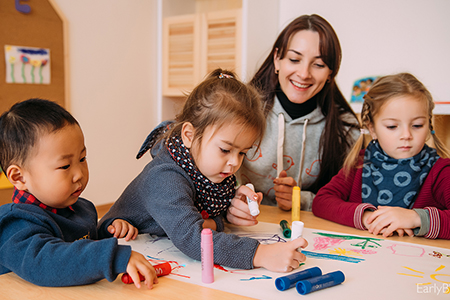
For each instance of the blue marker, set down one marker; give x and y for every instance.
(289, 281)
(318, 283)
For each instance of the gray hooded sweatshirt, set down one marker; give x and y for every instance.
(260, 168)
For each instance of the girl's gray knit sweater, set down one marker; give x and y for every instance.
(159, 201)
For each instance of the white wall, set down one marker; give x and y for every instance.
(112, 61)
(385, 36)
(114, 75)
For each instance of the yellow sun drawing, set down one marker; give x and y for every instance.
(345, 252)
(432, 276)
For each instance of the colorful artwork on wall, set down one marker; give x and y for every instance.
(27, 65)
(360, 88)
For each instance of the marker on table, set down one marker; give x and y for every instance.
(207, 249)
(286, 282)
(296, 204)
(252, 204)
(310, 285)
(285, 228)
(161, 270)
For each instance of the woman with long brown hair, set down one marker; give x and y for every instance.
(310, 125)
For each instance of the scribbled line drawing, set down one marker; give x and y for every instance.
(344, 252)
(332, 257)
(407, 250)
(264, 238)
(322, 243)
(366, 241)
(438, 254)
(242, 272)
(174, 264)
(257, 278)
(432, 276)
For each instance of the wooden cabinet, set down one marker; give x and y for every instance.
(196, 44)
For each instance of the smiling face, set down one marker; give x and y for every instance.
(56, 172)
(401, 126)
(221, 151)
(302, 72)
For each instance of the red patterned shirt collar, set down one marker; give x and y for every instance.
(26, 198)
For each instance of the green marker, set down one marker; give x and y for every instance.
(285, 227)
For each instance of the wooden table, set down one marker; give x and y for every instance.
(13, 287)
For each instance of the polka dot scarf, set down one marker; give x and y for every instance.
(211, 198)
(394, 182)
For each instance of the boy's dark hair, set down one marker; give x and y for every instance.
(21, 126)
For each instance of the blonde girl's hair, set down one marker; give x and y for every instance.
(384, 89)
(221, 99)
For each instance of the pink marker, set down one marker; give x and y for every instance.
(207, 256)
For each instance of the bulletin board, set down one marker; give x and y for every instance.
(35, 25)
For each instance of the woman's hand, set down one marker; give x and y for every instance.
(283, 186)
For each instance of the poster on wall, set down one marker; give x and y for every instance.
(27, 65)
(361, 87)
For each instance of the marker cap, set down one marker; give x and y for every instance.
(321, 282)
(297, 229)
(289, 281)
(285, 227)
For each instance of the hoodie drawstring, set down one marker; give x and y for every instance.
(280, 150)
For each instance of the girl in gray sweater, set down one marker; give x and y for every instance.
(190, 184)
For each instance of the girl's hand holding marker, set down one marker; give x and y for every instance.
(244, 206)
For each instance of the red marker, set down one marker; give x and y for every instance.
(161, 270)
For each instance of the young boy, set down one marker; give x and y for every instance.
(47, 234)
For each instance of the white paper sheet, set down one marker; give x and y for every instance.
(374, 268)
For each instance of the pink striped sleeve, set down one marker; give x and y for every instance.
(357, 217)
(435, 223)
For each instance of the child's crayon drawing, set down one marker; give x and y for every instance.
(438, 254)
(438, 277)
(407, 250)
(332, 257)
(321, 243)
(400, 270)
(365, 241)
(27, 65)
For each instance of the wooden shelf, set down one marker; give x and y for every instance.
(196, 44)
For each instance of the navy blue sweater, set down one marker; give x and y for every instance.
(51, 249)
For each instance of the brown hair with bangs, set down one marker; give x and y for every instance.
(221, 99)
(335, 141)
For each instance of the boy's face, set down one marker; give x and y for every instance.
(56, 172)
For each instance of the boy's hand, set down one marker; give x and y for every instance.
(238, 213)
(387, 219)
(138, 263)
(280, 257)
(121, 228)
(283, 186)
